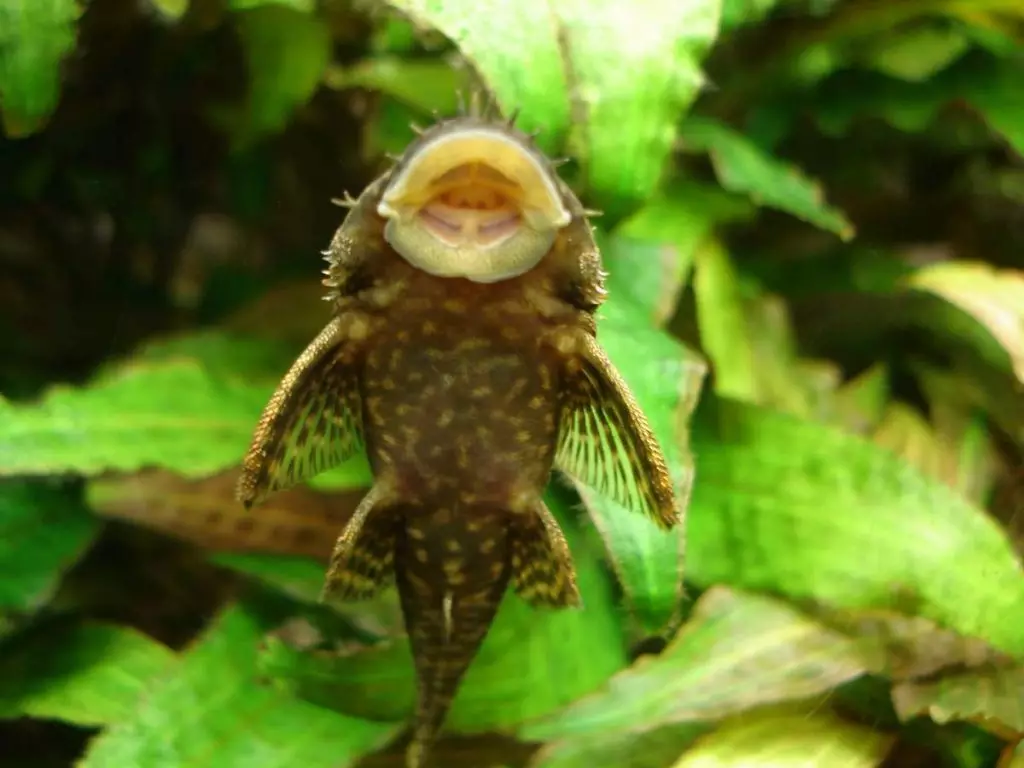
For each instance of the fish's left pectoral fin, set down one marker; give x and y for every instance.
(313, 421)
(605, 442)
(543, 573)
(362, 563)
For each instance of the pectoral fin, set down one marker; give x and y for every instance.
(312, 423)
(605, 441)
(542, 567)
(363, 558)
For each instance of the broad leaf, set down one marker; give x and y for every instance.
(744, 168)
(35, 36)
(586, 54)
(988, 84)
(496, 39)
(917, 53)
(724, 331)
(666, 379)
(531, 663)
(891, 538)
(43, 531)
(208, 710)
(626, 133)
(990, 698)
(858, 405)
(781, 739)
(206, 512)
(424, 85)
(993, 88)
(172, 10)
(306, 6)
(651, 254)
(90, 675)
(995, 298)
(736, 652)
(651, 749)
(186, 405)
(739, 13)
(286, 52)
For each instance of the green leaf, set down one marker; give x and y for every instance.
(35, 36)
(666, 378)
(858, 404)
(650, 255)
(918, 53)
(43, 531)
(587, 53)
(172, 10)
(723, 326)
(423, 84)
(300, 578)
(305, 6)
(651, 749)
(995, 92)
(780, 739)
(986, 83)
(89, 675)
(990, 698)
(286, 51)
(744, 168)
(497, 40)
(954, 448)
(627, 132)
(909, 107)
(209, 711)
(993, 297)
(531, 663)
(890, 536)
(736, 652)
(740, 13)
(190, 408)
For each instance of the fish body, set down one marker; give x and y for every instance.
(463, 359)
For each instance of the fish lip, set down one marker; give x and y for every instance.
(536, 192)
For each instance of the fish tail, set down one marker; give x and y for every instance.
(449, 602)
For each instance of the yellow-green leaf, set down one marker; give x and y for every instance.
(744, 168)
(736, 652)
(993, 297)
(781, 739)
(35, 36)
(209, 711)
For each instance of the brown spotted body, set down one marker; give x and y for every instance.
(463, 358)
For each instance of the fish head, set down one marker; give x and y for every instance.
(475, 199)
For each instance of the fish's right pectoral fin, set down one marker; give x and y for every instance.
(362, 563)
(313, 421)
(543, 573)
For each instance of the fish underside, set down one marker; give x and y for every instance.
(465, 391)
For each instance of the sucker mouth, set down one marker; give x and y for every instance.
(474, 202)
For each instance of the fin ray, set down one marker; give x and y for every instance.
(606, 443)
(542, 569)
(362, 563)
(313, 421)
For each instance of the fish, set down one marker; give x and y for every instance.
(462, 358)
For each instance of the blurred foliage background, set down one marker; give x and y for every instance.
(814, 228)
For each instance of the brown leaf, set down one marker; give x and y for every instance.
(990, 698)
(910, 647)
(205, 512)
